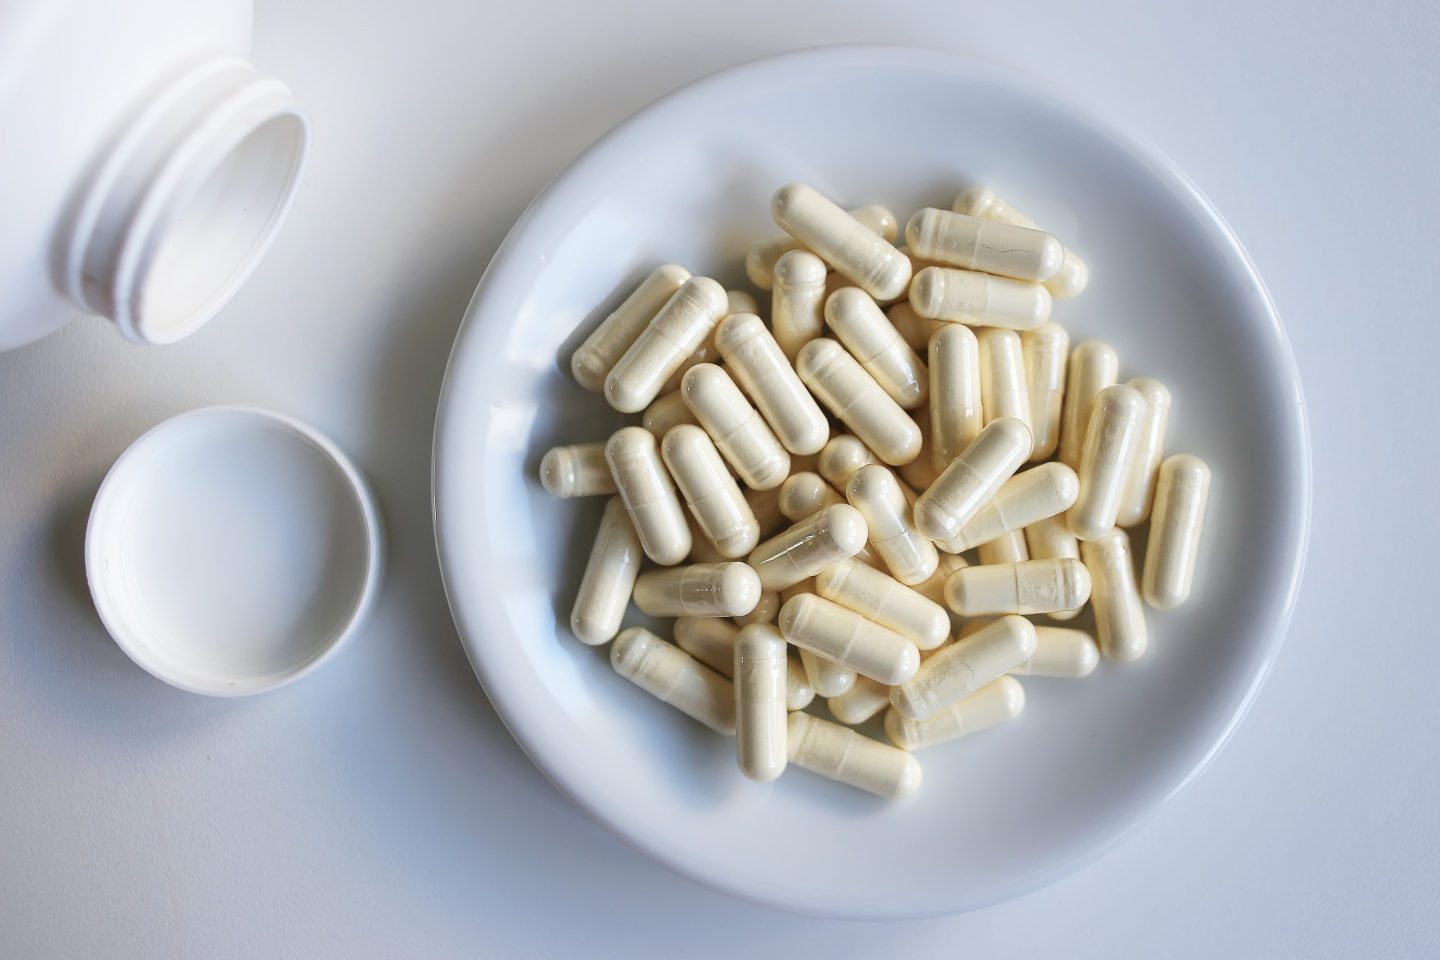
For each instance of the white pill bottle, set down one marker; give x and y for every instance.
(146, 164)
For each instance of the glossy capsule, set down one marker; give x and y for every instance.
(699, 590)
(971, 479)
(1093, 367)
(1175, 528)
(1119, 617)
(1029, 587)
(609, 578)
(1051, 539)
(798, 302)
(579, 470)
(1003, 391)
(761, 665)
(874, 491)
(861, 702)
(999, 701)
(711, 640)
(677, 330)
(880, 597)
(1061, 652)
(849, 246)
(990, 246)
(1046, 351)
(821, 626)
(954, 672)
(839, 382)
(1008, 547)
(867, 333)
(956, 414)
(1139, 491)
(744, 439)
(1026, 498)
(592, 360)
(714, 499)
(673, 676)
(757, 363)
(665, 412)
(840, 458)
(978, 299)
(826, 677)
(841, 754)
(767, 608)
(649, 495)
(913, 328)
(804, 493)
(809, 546)
(1111, 442)
(1073, 276)
(760, 261)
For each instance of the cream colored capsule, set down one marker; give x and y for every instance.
(1026, 498)
(826, 677)
(740, 301)
(1111, 442)
(1093, 367)
(913, 328)
(861, 702)
(1046, 350)
(1029, 587)
(1051, 539)
(682, 325)
(841, 754)
(978, 299)
(999, 701)
(1061, 652)
(956, 414)
(1073, 275)
(934, 589)
(1008, 547)
(919, 473)
(798, 302)
(710, 492)
(853, 396)
(954, 672)
(1145, 466)
(809, 546)
(880, 597)
(766, 610)
(702, 549)
(579, 470)
(1003, 391)
(830, 630)
(743, 438)
(803, 493)
(667, 411)
(849, 246)
(875, 492)
(867, 333)
(760, 261)
(711, 640)
(707, 352)
(673, 676)
(990, 246)
(609, 578)
(1175, 528)
(649, 495)
(592, 360)
(699, 590)
(1119, 617)
(761, 665)
(972, 478)
(840, 458)
(755, 360)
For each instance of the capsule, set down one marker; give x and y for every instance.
(913, 328)
(875, 492)
(1051, 539)
(682, 325)
(956, 414)
(743, 438)
(740, 301)
(665, 412)
(824, 627)
(765, 504)
(672, 676)
(804, 493)
(990, 246)
(707, 352)
(576, 471)
(972, 478)
(954, 672)
(867, 333)
(826, 677)
(934, 588)
(1073, 275)
(999, 701)
(1175, 527)
(849, 246)
(760, 261)
(1003, 391)
(767, 608)
(711, 640)
(1111, 442)
(853, 396)
(1139, 490)
(861, 702)
(762, 370)
(710, 492)
(809, 546)
(702, 549)
(609, 577)
(978, 299)
(1061, 652)
(1046, 350)
(840, 458)
(919, 473)
(649, 495)
(1008, 547)
(881, 598)
(1093, 367)
(841, 754)
(699, 590)
(1026, 498)
(798, 302)
(760, 692)
(1029, 587)
(1119, 617)
(592, 360)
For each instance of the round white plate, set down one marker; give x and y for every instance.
(688, 180)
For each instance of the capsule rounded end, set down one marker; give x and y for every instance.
(741, 541)
(1041, 304)
(758, 269)
(916, 228)
(900, 730)
(557, 472)
(1023, 631)
(907, 784)
(737, 330)
(936, 630)
(739, 589)
(845, 304)
(630, 649)
(1065, 481)
(589, 631)
(700, 382)
(1076, 583)
(588, 371)
(1087, 659)
(907, 702)
(1051, 259)
(798, 692)
(707, 294)
(893, 277)
(933, 521)
(1011, 697)
(1126, 649)
(800, 269)
(975, 202)
(927, 292)
(1185, 469)
(1071, 279)
(787, 198)
(906, 664)
(624, 395)
(628, 442)
(815, 356)
(847, 528)
(761, 767)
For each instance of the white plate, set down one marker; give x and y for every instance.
(688, 180)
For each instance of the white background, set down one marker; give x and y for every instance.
(379, 808)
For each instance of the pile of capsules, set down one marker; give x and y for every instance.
(940, 361)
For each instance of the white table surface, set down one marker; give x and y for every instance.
(380, 809)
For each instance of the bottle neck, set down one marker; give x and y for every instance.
(185, 202)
